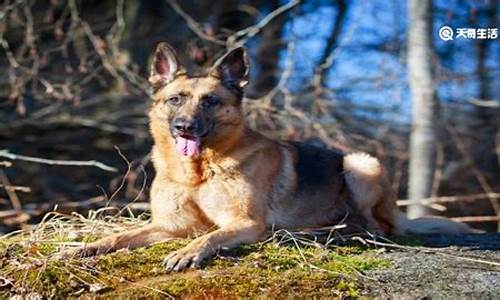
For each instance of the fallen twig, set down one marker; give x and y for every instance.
(88, 163)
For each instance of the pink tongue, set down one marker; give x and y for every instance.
(187, 146)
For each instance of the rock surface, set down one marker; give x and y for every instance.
(460, 266)
(423, 267)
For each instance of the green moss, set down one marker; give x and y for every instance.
(362, 262)
(258, 270)
(137, 264)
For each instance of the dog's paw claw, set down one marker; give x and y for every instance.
(180, 260)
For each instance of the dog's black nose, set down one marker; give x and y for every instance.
(184, 125)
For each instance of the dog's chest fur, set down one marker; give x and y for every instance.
(223, 192)
(286, 190)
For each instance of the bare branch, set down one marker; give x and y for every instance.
(5, 164)
(238, 38)
(15, 188)
(89, 163)
(192, 24)
(448, 199)
(472, 219)
(249, 32)
(483, 182)
(21, 217)
(485, 103)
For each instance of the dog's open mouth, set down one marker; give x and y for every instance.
(187, 145)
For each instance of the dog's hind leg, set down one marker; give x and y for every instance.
(371, 191)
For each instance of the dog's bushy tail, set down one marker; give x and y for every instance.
(371, 192)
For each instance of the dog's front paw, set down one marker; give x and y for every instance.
(183, 258)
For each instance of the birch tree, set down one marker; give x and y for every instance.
(424, 104)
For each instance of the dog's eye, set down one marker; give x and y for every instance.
(174, 100)
(210, 101)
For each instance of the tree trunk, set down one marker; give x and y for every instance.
(486, 120)
(424, 105)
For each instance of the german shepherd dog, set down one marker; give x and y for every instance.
(216, 176)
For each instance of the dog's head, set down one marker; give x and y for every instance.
(197, 111)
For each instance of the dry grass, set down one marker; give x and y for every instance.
(287, 265)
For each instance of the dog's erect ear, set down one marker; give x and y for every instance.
(232, 68)
(165, 65)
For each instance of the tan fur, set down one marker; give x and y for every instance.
(370, 191)
(242, 183)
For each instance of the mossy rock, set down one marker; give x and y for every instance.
(263, 270)
(302, 267)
